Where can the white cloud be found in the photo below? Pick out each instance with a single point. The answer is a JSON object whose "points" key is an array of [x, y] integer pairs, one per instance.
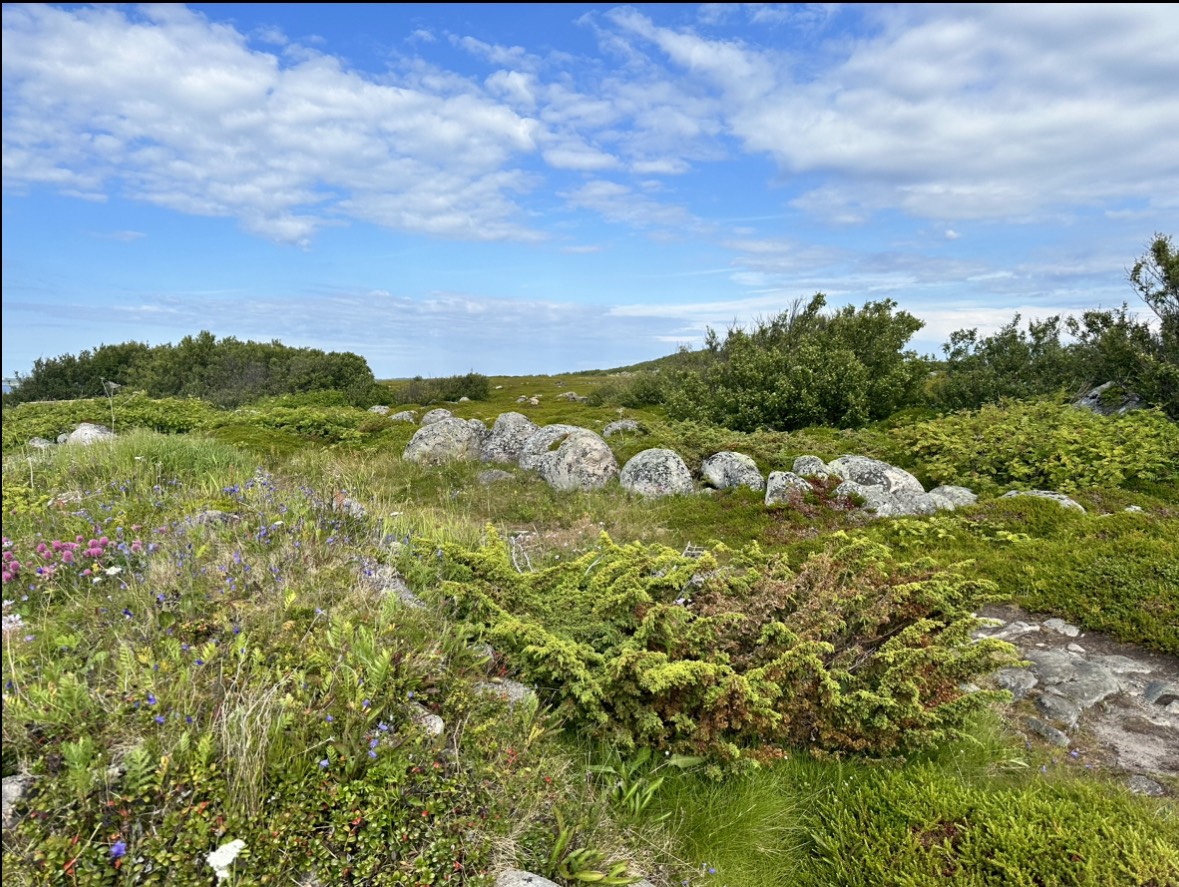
{"points": [[172, 109], [618, 203]]}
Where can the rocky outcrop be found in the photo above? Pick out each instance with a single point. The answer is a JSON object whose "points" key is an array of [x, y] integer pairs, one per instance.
{"points": [[1109, 399], [506, 441], [782, 486], [1124, 699], [1059, 498], [657, 472], [443, 441], [728, 469]]}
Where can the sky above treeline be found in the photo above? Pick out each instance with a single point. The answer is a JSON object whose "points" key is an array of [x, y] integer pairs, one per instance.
{"points": [[538, 189]]}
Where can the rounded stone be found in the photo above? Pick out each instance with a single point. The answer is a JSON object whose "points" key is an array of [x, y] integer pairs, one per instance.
{"points": [[656, 472]]}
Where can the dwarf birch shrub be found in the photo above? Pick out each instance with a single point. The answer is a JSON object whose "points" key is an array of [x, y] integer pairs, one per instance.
{"points": [[646, 647]]}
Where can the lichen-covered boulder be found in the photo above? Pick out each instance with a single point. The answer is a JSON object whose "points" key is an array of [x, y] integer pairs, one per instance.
{"points": [[874, 473], [506, 441], [810, 466], [379, 410], [436, 416], [88, 433], [780, 484], [541, 442], [404, 416], [1059, 498], [40, 443], [569, 458], [728, 469], [903, 503], [443, 441], [947, 498], [656, 472]]}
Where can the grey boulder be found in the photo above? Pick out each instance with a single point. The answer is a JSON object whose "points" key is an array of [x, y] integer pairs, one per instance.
{"points": [[874, 473], [1109, 400], [569, 458], [88, 433], [780, 484], [506, 441], [656, 472], [947, 498], [728, 469], [444, 441], [810, 466], [436, 416], [619, 426]]}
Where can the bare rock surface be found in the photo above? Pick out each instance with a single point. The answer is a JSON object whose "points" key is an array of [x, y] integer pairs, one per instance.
{"points": [[874, 473], [506, 441], [780, 484], [1112, 699], [443, 441], [436, 416], [88, 433]]}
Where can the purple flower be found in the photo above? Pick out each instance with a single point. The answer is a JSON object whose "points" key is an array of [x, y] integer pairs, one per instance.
{"points": [[119, 850], [323, 765], [151, 698], [159, 719]]}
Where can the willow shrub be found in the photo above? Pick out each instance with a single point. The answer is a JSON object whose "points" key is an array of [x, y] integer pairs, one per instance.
{"points": [[1044, 445], [647, 647]]}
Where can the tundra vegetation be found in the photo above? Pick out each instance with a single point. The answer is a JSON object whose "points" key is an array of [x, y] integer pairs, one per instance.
{"points": [[209, 633]]}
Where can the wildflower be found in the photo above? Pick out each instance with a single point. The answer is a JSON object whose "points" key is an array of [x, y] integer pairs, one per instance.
{"points": [[323, 765], [222, 858], [118, 849], [151, 698], [159, 719]]}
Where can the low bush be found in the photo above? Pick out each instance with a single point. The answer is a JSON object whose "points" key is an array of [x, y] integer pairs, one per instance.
{"points": [[169, 415], [1043, 446], [474, 386], [646, 647]]}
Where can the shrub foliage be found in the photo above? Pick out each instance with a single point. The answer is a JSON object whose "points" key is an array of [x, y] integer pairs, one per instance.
{"points": [[647, 647], [1044, 445], [804, 368], [228, 372]]}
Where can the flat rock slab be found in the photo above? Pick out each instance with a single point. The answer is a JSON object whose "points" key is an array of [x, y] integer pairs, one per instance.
{"points": [[1101, 690]]}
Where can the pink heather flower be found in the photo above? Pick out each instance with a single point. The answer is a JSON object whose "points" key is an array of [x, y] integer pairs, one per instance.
{"points": [[67, 557]]}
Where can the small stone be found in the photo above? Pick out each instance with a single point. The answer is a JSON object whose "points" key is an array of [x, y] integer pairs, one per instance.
{"points": [[14, 789], [1141, 785], [1076, 648], [1061, 627], [1133, 509], [506, 689], [1048, 732], [1059, 498], [1122, 664], [518, 878], [1161, 693], [427, 720]]}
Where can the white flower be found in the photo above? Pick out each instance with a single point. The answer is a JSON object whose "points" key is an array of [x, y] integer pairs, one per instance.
{"points": [[222, 858]]}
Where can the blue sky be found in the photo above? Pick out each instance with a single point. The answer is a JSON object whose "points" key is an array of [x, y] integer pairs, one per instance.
{"points": [[511, 189]]}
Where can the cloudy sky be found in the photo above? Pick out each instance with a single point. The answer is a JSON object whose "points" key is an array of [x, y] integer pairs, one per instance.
{"points": [[512, 189]]}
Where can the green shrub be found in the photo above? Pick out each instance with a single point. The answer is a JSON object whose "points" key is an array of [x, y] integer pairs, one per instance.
{"points": [[804, 368], [1044, 446], [170, 415], [474, 386], [227, 372], [647, 647], [331, 424], [633, 390]]}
